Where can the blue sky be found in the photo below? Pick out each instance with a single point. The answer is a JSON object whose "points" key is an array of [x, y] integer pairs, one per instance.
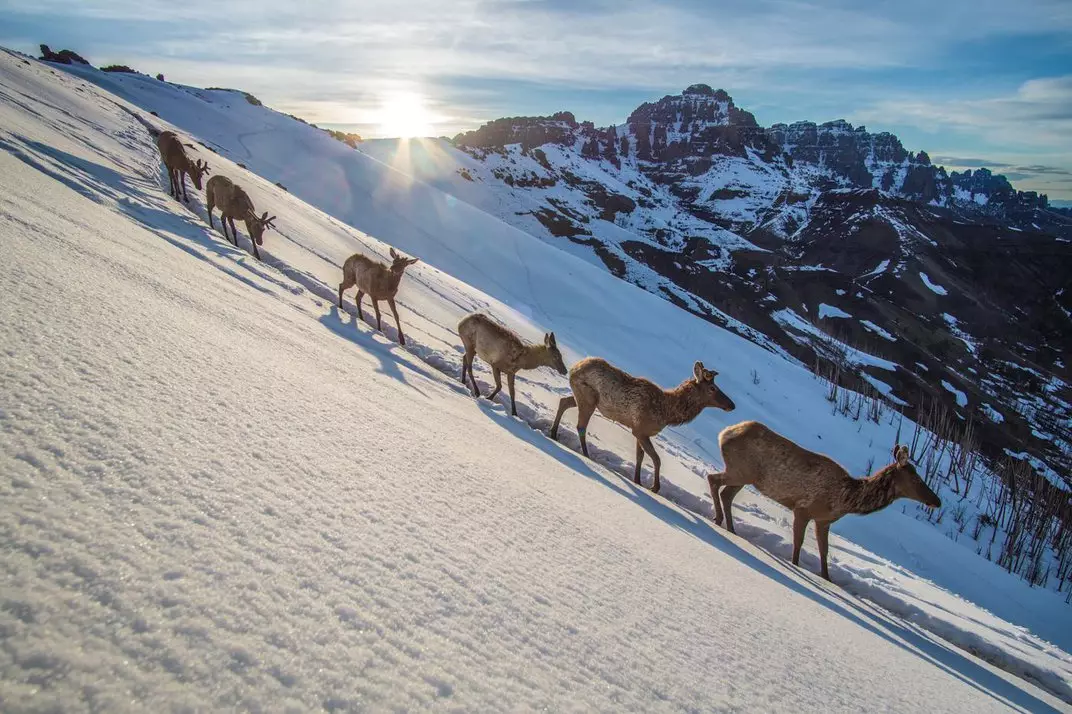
{"points": [[974, 82]]}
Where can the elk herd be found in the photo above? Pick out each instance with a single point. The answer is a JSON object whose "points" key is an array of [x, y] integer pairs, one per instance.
{"points": [[813, 486]]}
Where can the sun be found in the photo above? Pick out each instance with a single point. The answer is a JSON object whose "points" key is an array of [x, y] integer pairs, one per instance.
{"points": [[406, 116]]}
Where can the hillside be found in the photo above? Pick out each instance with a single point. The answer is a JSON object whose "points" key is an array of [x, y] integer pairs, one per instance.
{"points": [[225, 491], [810, 239]]}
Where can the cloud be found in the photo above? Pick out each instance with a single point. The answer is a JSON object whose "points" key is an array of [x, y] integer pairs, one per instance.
{"points": [[1038, 114], [1039, 169], [962, 162], [473, 60], [582, 43]]}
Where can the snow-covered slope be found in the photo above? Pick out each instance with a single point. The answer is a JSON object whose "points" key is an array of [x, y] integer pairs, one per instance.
{"points": [[737, 232], [226, 492]]}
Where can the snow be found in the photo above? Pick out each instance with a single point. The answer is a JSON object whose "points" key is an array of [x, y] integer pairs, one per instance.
{"points": [[790, 318], [993, 414], [962, 398], [220, 491], [956, 331], [831, 311], [878, 269], [878, 330], [934, 288], [882, 388]]}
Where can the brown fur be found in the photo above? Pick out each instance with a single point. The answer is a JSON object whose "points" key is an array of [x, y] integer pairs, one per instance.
{"points": [[178, 164], [376, 279], [236, 203], [505, 352], [813, 486], [637, 403]]}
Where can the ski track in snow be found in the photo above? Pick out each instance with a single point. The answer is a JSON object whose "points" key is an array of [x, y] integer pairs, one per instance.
{"points": [[305, 290]]}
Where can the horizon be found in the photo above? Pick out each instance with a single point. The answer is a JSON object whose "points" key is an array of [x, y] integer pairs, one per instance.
{"points": [[972, 84]]}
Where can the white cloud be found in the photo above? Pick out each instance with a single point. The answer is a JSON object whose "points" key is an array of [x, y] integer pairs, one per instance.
{"points": [[631, 44], [1037, 114]]}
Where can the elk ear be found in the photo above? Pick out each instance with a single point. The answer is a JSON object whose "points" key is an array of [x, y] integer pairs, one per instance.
{"points": [[551, 340], [698, 371], [900, 454], [264, 217], [411, 261], [394, 255]]}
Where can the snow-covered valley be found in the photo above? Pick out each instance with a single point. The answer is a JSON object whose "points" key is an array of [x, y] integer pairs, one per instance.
{"points": [[221, 491]]}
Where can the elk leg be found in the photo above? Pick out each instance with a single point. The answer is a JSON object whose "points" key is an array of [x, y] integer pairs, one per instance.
{"points": [[563, 404], [715, 481], [223, 226], [172, 188], [645, 441], [727, 496], [256, 253], [639, 461], [510, 387], [800, 525], [209, 208], [398, 323], [376, 308], [822, 537], [472, 379], [357, 300], [584, 415], [234, 231], [497, 374], [182, 183]]}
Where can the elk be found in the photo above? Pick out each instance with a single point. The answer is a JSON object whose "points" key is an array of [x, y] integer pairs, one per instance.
{"points": [[505, 352], [376, 279], [642, 406], [178, 164], [235, 202], [812, 486]]}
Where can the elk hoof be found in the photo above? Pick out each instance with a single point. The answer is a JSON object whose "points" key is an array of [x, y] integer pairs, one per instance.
{"points": [[655, 487]]}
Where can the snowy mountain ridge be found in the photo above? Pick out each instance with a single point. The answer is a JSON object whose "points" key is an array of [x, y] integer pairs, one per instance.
{"points": [[691, 199]]}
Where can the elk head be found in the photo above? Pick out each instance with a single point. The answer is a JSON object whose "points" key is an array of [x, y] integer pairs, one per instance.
{"points": [[907, 483], [556, 356], [257, 226], [713, 396], [198, 169], [400, 262]]}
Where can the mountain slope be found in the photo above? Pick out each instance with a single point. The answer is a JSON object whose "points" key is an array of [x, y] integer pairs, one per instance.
{"points": [[333, 505], [738, 223], [596, 314]]}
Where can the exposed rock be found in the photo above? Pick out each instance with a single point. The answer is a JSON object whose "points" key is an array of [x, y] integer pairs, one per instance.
{"points": [[62, 57]]}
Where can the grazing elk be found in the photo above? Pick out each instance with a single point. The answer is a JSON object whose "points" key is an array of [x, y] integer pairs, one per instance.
{"points": [[637, 403], [235, 203], [811, 485], [376, 279], [178, 164], [505, 352]]}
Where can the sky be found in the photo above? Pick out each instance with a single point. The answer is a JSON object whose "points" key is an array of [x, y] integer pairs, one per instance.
{"points": [[972, 82]]}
